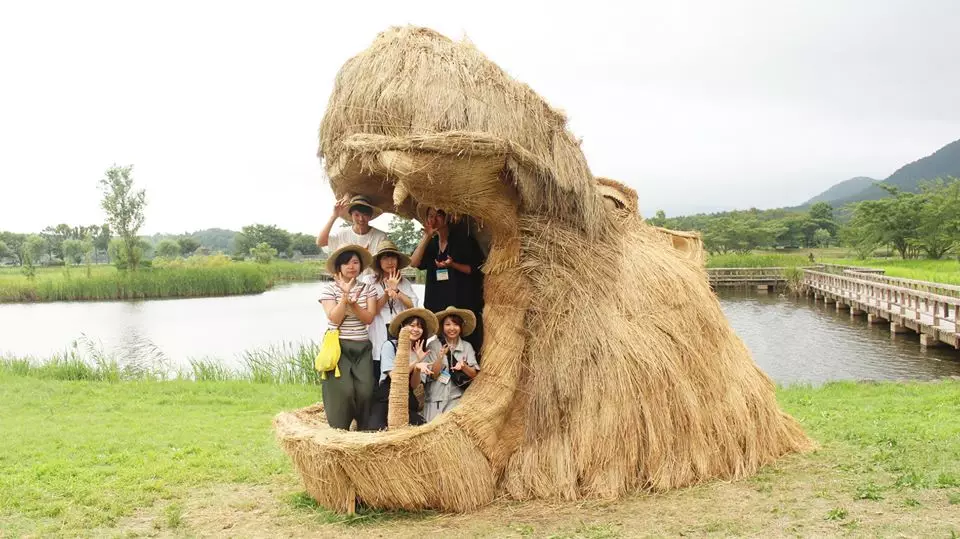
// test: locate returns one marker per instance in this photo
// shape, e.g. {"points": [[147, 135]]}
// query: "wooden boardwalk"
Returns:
{"points": [[929, 309], [769, 278]]}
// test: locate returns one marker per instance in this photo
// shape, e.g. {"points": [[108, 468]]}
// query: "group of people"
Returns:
{"points": [[370, 301]]}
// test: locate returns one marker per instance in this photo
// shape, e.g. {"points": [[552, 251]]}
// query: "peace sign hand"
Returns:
{"points": [[345, 286], [424, 368]]}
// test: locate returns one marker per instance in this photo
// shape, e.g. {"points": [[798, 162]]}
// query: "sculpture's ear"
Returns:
{"points": [[617, 195]]}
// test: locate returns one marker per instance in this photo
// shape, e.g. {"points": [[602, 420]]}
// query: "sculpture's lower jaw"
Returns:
{"points": [[453, 463]]}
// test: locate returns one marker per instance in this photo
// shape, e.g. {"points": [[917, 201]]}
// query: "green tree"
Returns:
{"points": [[117, 252], [404, 233], [263, 253], [14, 244], [659, 219], [87, 247], [55, 236], [893, 221], [32, 250], [4, 250], [822, 211], [304, 243], [939, 219], [822, 237], [253, 235], [72, 251], [124, 208], [168, 249], [188, 245], [101, 240]]}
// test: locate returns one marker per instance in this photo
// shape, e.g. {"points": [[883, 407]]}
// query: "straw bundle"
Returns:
{"points": [[398, 413], [608, 366]]}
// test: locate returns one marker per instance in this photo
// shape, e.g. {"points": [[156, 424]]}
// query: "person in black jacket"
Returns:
{"points": [[453, 260]]}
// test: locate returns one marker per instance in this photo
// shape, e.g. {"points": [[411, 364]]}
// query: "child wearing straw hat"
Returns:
{"points": [[360, 211], [350, 307], [454, 367], [423, 324], [394, 292]]}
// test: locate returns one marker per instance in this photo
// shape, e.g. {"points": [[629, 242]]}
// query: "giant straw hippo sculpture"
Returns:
{"points": [[608, 366]]}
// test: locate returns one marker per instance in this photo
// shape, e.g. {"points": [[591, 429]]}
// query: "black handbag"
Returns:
{"points": [[457, 378]]}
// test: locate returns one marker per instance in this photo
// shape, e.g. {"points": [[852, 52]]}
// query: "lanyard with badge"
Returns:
{"points": [[443, 274]]}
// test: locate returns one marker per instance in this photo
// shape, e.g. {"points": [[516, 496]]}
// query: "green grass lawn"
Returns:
{"points": [[82, 455]]}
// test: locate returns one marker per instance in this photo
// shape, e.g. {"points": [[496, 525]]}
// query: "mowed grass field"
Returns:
{"points": [[185, 458]]}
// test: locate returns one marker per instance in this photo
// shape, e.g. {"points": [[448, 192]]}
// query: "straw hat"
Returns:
{"points": [[388, 247], [362, 200], [364, 255], [428, 318], [469, 319]]}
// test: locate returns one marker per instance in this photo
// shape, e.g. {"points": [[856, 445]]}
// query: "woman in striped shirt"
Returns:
{"points": [[350, 306]]}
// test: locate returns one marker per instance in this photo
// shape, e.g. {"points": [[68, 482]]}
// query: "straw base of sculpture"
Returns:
{"points": [[608, 366]]}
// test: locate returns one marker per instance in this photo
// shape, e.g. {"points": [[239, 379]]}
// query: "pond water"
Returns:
{"points": [[793, 340]]}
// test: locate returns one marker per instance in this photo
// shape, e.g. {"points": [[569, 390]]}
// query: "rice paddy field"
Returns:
{"points": [[175, 281], [101, 452]]}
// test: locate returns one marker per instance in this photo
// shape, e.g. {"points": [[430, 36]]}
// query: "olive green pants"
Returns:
{"points": [[349, 397]]}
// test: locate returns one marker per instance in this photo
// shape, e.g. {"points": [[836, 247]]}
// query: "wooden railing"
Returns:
{"points": [[746, 276], [931, 309], [839, 268]]}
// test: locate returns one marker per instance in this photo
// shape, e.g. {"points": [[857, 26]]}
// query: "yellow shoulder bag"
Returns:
{"points": [[328, 359]]}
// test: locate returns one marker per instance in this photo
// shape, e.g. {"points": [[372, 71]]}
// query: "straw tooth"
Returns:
{"points": [[398, 414], [608, 366]]}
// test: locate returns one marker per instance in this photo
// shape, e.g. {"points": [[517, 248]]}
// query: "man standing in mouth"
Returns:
{"points": [[361, 211]]}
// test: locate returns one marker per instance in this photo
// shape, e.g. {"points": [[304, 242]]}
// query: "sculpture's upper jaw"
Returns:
{"points": [[419, 118]]}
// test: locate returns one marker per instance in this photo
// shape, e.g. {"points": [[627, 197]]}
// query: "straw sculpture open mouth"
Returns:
{"points": [[608, 366]]}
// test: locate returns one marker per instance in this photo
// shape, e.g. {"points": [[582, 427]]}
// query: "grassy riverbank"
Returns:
{"points": [[939, 271], [199, 458], [108, 283]]}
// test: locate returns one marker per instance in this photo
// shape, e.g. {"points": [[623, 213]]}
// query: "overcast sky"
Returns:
{"points": [[698, 105]]}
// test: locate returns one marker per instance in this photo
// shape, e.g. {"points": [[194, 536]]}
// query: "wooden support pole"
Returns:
{"points": [[896, 328]]}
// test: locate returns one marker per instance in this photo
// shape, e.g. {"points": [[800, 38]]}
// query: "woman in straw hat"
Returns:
{"points": [[423, 324], [350, 306], [394, 292], [452, 259], [454, 366]]}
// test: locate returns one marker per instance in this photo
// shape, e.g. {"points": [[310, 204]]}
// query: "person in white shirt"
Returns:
{"points": [[361, 212], [395, 292]]}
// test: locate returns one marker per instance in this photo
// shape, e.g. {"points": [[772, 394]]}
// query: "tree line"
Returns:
{"points": [[926, 222], [117, 239]]}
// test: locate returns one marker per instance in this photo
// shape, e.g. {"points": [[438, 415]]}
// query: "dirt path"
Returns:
{"points": [[802, 496]]}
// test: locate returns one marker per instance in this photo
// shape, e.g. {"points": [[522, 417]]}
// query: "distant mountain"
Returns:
{"points": [[940, 164], [844, 189]]}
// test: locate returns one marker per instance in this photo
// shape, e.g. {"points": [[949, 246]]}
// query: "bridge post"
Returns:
{"points": [[855, 312], [875, 319], [929, 341], [896, 328]]}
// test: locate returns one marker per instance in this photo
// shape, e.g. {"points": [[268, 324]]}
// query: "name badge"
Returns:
{"points": [[444, 377], [443, 275]]}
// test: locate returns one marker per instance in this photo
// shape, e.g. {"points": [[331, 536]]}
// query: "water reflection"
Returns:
{"points": [[793, 340], [797, 340]]}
